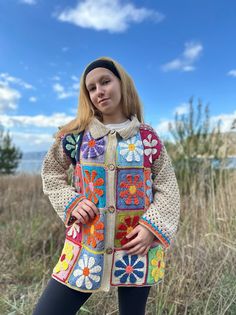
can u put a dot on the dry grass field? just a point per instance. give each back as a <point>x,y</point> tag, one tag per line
<point>201,265</point>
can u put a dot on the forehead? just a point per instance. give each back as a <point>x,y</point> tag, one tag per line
<point>96,74</point>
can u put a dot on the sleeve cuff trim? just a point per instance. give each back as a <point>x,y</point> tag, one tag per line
<point>154,229</point>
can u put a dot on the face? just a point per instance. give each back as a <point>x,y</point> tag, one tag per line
<point>104,90</point>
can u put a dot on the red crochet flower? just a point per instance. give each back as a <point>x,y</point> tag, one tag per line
<point>125,228</point>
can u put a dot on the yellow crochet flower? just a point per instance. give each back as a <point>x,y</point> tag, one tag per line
<point>158,264</point>
<point>66,256</point>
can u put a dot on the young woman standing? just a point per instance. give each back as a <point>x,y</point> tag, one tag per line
<point>122,210</point>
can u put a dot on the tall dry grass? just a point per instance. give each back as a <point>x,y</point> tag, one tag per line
<point>200,268</point>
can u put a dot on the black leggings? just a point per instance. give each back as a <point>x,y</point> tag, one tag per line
<point>58,299</point>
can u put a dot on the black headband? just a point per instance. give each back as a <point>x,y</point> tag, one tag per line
<point>100,63</point>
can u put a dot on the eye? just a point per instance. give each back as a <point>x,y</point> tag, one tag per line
<point>106,81</point>
<point>92,89</point>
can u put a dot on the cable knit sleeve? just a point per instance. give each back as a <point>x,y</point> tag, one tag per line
<point>162,216</point>
<point>62,195</point>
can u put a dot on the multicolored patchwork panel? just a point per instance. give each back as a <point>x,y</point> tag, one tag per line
<point>135,270</point>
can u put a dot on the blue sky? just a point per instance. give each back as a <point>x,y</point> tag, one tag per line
<point>173,50</point>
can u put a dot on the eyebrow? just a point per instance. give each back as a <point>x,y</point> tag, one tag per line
<point>99,79</point>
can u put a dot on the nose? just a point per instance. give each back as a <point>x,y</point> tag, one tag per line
<point>100,90</point>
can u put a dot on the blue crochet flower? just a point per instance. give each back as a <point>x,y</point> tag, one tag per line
<point>129,266</point>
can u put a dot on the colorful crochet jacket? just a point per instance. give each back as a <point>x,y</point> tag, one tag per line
<point>129,177</point>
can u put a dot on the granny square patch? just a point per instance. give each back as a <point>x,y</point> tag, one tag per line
<point>93,233</point>
<point>94,184</point>
<point>130,152</point>
<point>70,145</point>
<point>87,272</point>
<point>68,257</point>
<point>74,233</point>
<point>92,150</point>
<point>152,146</point>
<point>148,187</point>
<point>156,266</point>
<point>130,189</point>
<point>126,221</point>
<point>128,269</point>
<point>78,179</point>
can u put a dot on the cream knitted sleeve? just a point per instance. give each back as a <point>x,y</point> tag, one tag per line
<point>162,216</point>
<point>62,195</point>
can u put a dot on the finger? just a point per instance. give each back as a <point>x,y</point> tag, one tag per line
<point>84,214</point>
<point>89,211</point>
<point>145,251</point>
<point>91,205</point>
<point>133,232</point>
<point>132,243</point>
<point>79,217</point>
<point>135,250</point>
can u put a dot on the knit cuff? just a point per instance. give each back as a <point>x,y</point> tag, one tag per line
<point>157,232</point>
<point>68,218</point>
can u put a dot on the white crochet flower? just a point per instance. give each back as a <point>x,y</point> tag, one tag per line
<point>73,230</point>
<point>87,272</point>
<point>150,144</point>
<point>131,149</point>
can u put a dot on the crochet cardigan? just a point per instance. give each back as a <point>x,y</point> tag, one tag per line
<point>128,175</point>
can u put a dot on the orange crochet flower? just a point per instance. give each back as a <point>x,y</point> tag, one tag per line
<point>125,228</point>
<point>132,189</point>
<point>92,184</point>
<point>92,231</point>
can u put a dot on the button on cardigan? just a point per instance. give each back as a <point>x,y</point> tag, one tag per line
<point>128,175</point>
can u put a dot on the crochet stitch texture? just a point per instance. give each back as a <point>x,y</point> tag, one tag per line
<point>129,177</point>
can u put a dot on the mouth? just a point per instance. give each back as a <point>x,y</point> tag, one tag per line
<point>103,100</point>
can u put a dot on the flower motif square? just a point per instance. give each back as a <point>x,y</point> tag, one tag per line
<point>152,146</point>
<point>130,152</point>
<point>126,221</point>
<point>130,189</point>
<point>87,272</point>
<point>156,267</point>
<point>128,269</point>
<point>74,233</point>
<point>94,184</point>
<point>92,150</point>
<point>78,179</point>
<point>67,258</point>
<point>93,233</point>
<point>148,187</point>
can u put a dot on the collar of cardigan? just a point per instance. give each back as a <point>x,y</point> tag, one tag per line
<point>98,129</point>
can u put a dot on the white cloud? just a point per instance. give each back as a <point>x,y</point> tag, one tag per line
<point>70,91</point>
<point>61,92</point>
<point>8,98</point>
<point>182,109</point>
<point>112,16</point>
<point>55,120</point>
<point>6,79</point>
<point>185,62</point>
<point>33,99</point>
<point>30,2</point>
<point>232,73</point>
<point>227,121</point>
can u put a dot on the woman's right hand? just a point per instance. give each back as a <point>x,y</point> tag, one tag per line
<point>85,211</point>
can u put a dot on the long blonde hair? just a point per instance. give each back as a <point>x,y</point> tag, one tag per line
<point>131,104</point>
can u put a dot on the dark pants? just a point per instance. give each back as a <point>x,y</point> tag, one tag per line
<point>58,299</point>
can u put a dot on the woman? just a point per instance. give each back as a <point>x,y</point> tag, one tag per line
<point>122,210</point>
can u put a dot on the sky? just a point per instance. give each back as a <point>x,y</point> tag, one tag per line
<point>173,50</point>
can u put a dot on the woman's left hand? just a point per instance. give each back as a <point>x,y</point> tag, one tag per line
<point>141,243</point>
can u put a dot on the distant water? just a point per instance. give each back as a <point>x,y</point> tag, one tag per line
<point>31,162</point>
